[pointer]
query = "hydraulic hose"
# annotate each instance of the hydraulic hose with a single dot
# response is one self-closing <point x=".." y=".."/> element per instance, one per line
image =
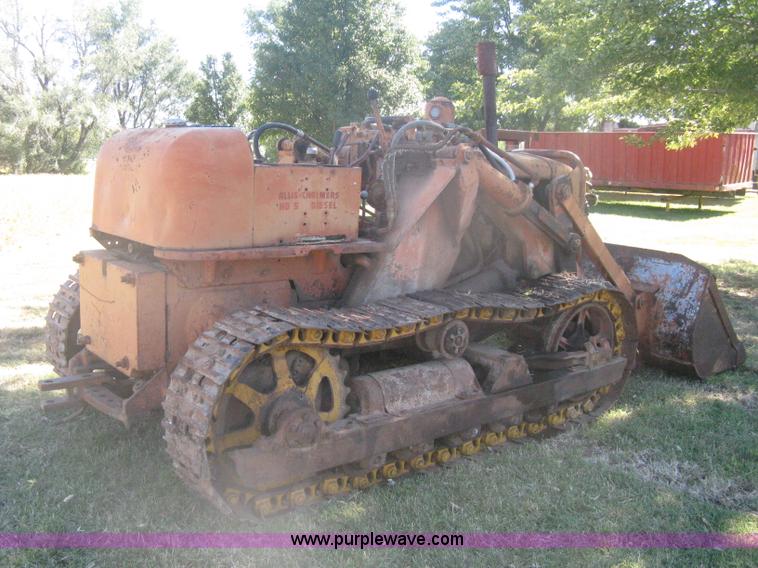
<point x="498" y="163"/>
<point x="400" y="134"/>
<point x="256" y="135"/>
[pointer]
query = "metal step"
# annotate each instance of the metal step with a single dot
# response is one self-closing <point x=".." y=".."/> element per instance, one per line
<point x="104" y="400"/>
<point x="73" y="381"/>
<point x="60" y="403"/>
<point x="90" y="388"/>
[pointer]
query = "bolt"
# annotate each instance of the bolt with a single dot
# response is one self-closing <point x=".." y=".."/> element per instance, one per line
<point x="123" y="363"/>
<point x="83" y="340"/>
<point x="129" y="278"/>
<point x="575" y="242"/>
<point x="563" y="192"/>
<point x="78" y="258"/>
<point x="455" y="340"/>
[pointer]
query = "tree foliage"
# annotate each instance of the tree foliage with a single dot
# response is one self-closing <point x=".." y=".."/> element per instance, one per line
<point x="569" y="64"/>
<point x="219" y="94"/>
<point x="315" y="61"/>
<point x="564" y="64"/>
<point x="693" y="64"/>
<point x="47" y="121"/>
<point x="65" y="84"/>
<point x="450" y="52"/>
<point x="138" y="69"/>
<point x="526" y="99"/>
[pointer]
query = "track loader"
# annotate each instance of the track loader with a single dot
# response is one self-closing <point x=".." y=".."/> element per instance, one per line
<point x="319" y="323"/>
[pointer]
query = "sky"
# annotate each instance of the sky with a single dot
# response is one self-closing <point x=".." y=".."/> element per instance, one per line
<point x="218" y="26"/>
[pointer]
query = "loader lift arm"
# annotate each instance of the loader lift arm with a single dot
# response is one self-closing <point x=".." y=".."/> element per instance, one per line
<point x="542" y="218"/>
<point x="681" y="319"/>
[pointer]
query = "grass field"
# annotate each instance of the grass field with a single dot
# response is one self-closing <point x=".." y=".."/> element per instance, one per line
<point x="674" y="454"/>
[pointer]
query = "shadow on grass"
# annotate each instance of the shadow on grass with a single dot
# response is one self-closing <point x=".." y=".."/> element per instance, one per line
<point x="19" y="345"/>
<point x="91" y="474"/>
<point x="738" y="281"/>
<point x="37" y="312"/>
<point x="679" y="421"/>
<point x="651" y="211"/>
<point x="681" y="457"/>
<point x="737" y="274"/>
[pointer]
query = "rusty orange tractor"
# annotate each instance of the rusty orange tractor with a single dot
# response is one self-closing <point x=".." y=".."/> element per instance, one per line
<point x="319" y="324"/>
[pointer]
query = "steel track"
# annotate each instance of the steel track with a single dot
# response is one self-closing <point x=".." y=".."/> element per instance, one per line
<point x="198" y="381"/>
<point x="62" y="324"/>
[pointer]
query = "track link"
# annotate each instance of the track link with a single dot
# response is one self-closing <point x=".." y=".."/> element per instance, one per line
<point x="62" y="325"/>
<point x="330" y="485"/>
<point x="198" y="381"/>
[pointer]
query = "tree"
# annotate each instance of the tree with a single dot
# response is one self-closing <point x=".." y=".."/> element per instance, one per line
<point x="11" y="131"/>
<point x="63" y="85"/>
<point x="11" y="104"/>
<point x="316" y="60"/>
<point x="525" y="99"/>
<point x="692" y="64"/>
<point x="138" y="69"/>
<point x="567" y="64"/>
<point x="219" y="94"/>
<point x="48" y="122"/>
<point x="451" y="52"/>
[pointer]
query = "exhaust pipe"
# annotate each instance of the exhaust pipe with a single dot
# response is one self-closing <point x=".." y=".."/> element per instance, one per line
<point x="486" y="64"/>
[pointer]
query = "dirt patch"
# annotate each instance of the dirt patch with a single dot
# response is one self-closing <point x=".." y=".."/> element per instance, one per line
<point x="683" y="476"/>
<point x="746" y="398"/>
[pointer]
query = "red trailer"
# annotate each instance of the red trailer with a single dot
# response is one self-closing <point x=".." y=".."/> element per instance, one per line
<point x="722" y="164"/>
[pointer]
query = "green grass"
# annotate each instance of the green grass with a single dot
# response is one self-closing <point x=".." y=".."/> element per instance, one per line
<point x="650" y="210"/>
<point x="715" y="234"/>
<point x="673" y="455"/>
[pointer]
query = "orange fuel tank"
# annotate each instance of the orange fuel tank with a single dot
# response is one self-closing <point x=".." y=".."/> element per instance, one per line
<point x="198" y="189"/>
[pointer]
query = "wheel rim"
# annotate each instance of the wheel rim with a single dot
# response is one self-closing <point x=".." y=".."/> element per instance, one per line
<point x="239" y="418"/>
<point x="598" y="324"/>
<point x="589" y="323"/>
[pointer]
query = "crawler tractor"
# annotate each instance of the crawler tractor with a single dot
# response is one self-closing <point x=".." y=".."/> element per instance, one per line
<point x="322" y="322"/>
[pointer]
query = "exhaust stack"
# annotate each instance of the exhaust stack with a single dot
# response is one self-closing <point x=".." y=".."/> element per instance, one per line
<point x="486" y="64"/>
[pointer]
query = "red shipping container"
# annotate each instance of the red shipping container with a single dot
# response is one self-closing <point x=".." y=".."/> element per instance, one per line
<point x="723" y="163"/>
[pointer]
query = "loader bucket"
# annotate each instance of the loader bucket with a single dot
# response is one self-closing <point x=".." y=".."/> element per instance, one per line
<point x="684" y="323"/>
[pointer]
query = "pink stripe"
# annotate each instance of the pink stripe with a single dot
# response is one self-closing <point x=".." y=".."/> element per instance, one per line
<point x="470" y="540"/>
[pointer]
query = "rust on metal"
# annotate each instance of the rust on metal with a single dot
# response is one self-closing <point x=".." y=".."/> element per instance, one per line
<point x="447" y="341"/>
<point x="595" y="247"/>
<point x="486" y="65"/>
<point x="359" y="246"/>
<point x="186" y="436"/>
<point x="147" y="396"/>
<point x="440" y="109"/>
<point x="62" y="325"/>
<point x="314" y="326"/>
<point x="513" y="196"/>
<point x="292" y="203"/>
<point x="406" y="389"/>
<point x="73" y="381"/>
<point x="123" y="311"/>
<point x="501" y="370"/>
<point x="147" y="190"/>
<point x="261" y="467"/>
<point x="687" y="326"/>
